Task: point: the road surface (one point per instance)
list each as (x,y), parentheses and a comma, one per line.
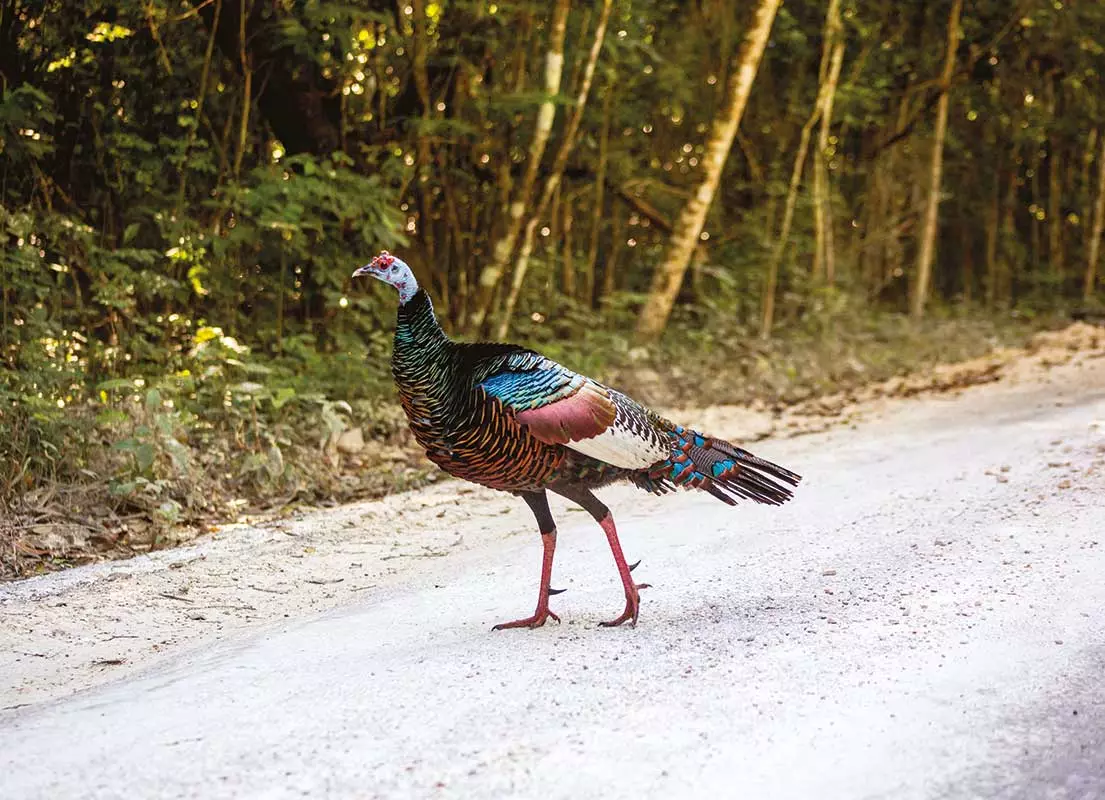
(925,620)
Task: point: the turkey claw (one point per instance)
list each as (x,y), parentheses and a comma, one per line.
(632,609)
(536,621)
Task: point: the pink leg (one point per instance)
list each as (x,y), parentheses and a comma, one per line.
(632,594)
(548,542)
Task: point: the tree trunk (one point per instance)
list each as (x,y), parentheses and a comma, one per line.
(1098,225)
(599,199)
(1055,215)
(1008,232)
(767,318)
(247,91)
(493,272)
(610,268)
(932,208)
(669,274)
(833,63)
(992,222)
(302,106)
(899,206)
(1054,192)
(567,143)
(419,48)
(1085,191)
(201,97)
(967,263)
(551,246)
(1035,231)
(824,262)
(568,263)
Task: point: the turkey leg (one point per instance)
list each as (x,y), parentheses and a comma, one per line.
(632,590)
(539,503)
(597,509)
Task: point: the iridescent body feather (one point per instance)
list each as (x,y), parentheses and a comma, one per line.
(511,419)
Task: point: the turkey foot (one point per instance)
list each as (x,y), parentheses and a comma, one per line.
(632,608)
(540,616)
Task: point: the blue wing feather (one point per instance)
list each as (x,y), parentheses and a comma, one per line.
(531,381)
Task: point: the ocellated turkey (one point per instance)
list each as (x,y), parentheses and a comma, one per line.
(508,418)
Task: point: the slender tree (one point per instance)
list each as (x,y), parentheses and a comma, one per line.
(669,273)
(931,222)
(493,272)
(567,143)
(598,200)
(824,259)
(832,58)
(1094,247)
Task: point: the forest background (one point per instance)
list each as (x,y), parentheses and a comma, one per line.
(703,202)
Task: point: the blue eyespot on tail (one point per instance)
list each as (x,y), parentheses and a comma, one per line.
(727,472)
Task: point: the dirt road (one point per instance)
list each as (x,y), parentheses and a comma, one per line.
(926,620)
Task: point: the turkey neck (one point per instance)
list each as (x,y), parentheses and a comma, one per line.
(416,327)
(419,341)
(421,363)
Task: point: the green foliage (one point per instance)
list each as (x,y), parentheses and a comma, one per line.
(180,211)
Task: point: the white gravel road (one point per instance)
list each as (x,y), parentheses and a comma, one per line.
(926,620)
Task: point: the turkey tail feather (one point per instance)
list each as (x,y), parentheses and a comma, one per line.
(727,472)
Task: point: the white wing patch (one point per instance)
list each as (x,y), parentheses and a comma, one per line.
(622,447)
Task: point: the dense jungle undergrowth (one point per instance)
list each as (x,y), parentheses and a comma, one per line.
(700,202)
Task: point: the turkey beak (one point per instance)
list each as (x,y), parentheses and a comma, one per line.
(365,270)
